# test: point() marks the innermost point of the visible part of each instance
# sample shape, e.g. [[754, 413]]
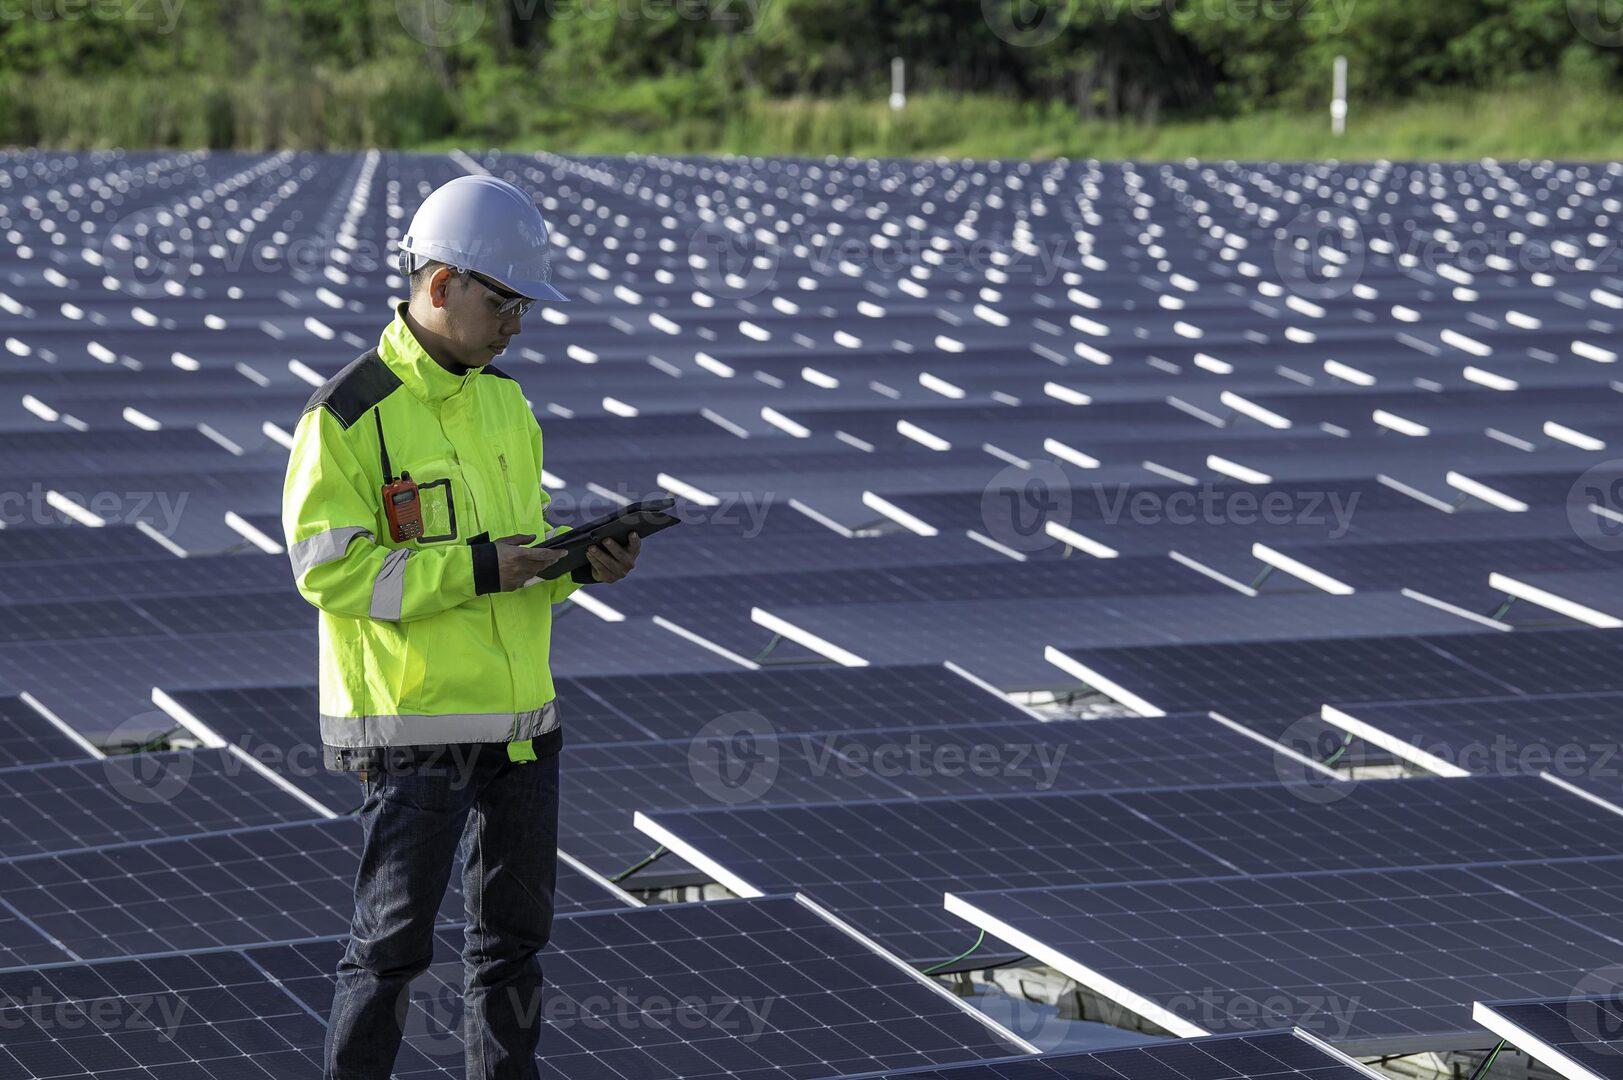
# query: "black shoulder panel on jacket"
[[492, 369], [358, 386]]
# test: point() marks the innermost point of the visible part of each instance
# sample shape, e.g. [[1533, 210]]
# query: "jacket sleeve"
[[329, 512], [561, 586]]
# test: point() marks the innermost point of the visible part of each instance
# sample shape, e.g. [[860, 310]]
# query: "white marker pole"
[[898, 92], [1338, 104]]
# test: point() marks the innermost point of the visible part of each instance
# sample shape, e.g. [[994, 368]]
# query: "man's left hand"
[[611, 561]]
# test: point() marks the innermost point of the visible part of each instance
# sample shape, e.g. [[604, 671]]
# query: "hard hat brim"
[[535, 290]]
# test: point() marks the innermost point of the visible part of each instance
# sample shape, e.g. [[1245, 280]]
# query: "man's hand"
[[520, 564], [613, 562]]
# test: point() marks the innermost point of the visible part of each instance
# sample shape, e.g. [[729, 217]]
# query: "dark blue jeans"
[[504, 816]]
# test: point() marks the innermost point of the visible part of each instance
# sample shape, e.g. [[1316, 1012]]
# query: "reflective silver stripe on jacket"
[[324, 547], [389, 589], [419, 730]]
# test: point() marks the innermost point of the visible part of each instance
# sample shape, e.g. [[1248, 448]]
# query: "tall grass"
[[404, 108]]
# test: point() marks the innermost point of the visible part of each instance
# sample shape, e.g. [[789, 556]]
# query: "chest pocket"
[[441, 495]]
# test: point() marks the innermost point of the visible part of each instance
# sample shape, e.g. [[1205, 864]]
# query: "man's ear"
[[438, 283]]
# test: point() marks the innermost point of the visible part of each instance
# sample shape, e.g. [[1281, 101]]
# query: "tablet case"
[[643, 518]]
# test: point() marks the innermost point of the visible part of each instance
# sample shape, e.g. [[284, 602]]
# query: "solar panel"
[[28, 738], [606, 709], [160, 1018], [93, 698], [1373, 961], [764, 988], [738, 759], [884, 865], [273, 883], [1580, 1037], [1271, 684], [1570, 736], [1005, 639], [1279, 1054], [131, 797]]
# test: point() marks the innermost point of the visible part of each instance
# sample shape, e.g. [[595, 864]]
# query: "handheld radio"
[[401, 505]]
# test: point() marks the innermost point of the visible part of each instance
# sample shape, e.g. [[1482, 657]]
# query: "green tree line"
[[701, 74]]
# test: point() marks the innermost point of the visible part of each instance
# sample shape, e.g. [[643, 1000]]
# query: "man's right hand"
[[519, 564]]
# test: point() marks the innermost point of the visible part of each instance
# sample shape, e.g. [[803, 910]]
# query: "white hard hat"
[[486, 225]]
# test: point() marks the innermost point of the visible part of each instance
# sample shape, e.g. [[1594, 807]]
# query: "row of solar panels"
[[893, 426]]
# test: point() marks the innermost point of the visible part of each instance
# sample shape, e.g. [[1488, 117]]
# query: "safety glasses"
[[511, 303]]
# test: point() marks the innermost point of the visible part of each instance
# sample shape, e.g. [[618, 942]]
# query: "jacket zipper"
[[507, 486]]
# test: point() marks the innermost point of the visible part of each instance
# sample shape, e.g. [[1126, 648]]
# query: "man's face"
[[471, 326]]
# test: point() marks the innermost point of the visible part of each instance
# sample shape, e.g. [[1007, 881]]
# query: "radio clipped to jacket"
[[402, 503]]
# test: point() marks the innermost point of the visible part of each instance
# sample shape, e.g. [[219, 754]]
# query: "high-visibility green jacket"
[[418, 644]]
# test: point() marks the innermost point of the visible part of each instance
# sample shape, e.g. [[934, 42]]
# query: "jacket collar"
[[406, 357]]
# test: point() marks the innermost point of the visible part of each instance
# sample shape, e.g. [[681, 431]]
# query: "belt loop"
[[523, 750]]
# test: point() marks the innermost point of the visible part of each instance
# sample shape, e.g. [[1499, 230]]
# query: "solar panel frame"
[[1578, 1037], [1338, 947]]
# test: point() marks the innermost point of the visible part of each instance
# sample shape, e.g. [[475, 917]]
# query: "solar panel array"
[[1580, 1036], [1274, 442]]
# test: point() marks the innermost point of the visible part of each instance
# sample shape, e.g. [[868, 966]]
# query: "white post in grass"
[[1338, 103], [898, 92]]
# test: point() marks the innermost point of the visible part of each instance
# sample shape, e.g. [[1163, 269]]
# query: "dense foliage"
[[698, 73]]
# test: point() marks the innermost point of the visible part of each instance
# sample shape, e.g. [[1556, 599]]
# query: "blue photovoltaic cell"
[[1575, 737], [1285, 1055], [276, 883], [130, 797], [28, 738], [1579, 1037], [1380, 961], [883, 866], [775, 991], [736, 761], [1271, 684]]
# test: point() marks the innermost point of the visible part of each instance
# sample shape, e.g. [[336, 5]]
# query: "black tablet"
[[643, 518]]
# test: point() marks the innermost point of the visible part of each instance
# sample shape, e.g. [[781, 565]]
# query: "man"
[[434, 638]]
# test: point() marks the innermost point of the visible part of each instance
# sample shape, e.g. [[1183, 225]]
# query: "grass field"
[[362, 109]]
